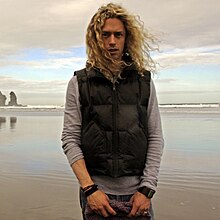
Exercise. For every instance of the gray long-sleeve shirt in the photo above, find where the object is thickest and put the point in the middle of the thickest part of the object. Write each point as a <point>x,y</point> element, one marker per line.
<point>71,137</point>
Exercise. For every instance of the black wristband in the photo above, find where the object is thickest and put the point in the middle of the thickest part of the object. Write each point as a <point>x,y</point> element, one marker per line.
<point>91,190</point>
<point>147,191</point>
<point>87,187</point>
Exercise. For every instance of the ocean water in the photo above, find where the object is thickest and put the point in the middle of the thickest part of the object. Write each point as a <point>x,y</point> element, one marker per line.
<point>36,181</point>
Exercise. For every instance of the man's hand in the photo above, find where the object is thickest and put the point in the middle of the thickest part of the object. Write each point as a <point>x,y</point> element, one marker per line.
<point>140,204</point>
<point>99,203</point>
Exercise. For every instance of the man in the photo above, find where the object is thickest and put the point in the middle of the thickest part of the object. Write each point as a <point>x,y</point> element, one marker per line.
<point>112,133</point>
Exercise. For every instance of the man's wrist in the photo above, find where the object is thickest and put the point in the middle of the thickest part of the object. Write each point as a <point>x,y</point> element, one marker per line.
<point>148,192</point>
<point>89,190</point>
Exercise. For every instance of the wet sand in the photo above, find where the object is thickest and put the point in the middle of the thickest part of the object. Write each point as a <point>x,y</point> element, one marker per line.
<point>185,204</point>
<point>36,198</point>
<point>46,201</point>
<point>36,182</point>
<point>53,195</point>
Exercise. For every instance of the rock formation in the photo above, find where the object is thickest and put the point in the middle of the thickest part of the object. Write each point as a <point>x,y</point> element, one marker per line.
<point>2,99</point>
<point>13,99</point>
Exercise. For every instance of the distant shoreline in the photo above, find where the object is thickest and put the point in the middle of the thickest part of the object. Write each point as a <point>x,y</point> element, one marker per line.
<point>183,108</point>
<point>194,105</point>
<point>168,105</point>
<point>26,107</point>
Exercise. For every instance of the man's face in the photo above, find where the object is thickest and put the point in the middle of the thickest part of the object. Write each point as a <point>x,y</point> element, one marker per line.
<point>113,36</point>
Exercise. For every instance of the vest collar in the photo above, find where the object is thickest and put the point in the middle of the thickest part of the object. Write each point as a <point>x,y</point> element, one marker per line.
<point>94,72</point>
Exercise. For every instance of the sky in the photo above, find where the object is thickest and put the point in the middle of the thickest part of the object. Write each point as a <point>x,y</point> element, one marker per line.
<point>42,43</point>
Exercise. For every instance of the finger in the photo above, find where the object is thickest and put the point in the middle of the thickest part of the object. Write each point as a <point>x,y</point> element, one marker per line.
<point>133,212</point>
<point>104,213</point>
<point>137,211</point>
<point>110,210</point>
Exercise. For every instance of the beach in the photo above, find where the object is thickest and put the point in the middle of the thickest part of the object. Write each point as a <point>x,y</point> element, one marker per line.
<point>37,182</point>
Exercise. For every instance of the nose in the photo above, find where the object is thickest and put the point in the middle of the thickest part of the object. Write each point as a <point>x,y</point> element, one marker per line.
<point>112,40</point>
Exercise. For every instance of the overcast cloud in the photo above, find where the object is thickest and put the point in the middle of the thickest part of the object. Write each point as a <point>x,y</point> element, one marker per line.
<point>189,32</point>
<point>58,24</point>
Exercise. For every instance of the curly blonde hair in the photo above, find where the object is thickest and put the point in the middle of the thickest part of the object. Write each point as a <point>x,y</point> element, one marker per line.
<point>138,43</point>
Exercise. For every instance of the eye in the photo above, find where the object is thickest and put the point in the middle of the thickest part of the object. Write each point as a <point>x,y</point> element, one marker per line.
<point>105,34</point>
<point>118,34</point>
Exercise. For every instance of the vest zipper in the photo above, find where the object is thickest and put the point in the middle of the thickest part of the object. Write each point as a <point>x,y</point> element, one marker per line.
<point>115,133</point>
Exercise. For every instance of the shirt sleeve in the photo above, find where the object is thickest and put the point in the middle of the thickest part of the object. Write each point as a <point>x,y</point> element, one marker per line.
<point>71,135</point>
<point>155,142</point>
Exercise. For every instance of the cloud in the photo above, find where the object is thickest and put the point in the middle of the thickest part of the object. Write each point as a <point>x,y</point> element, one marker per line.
<point>185,23</point>
<point>57,63</point>
<point>188,31</point>
<point>61,24</point>
<point>8,84</point>
<point>178,57</point>
<point>183,97</point>
<point>57,24</point>
<point>166,80</point>
<point>33,92</point>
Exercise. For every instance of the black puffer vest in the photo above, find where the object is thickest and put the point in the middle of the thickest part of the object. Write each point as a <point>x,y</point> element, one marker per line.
<point>114,122</point>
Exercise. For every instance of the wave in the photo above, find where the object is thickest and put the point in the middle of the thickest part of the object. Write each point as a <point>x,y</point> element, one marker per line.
<point>191,105</point>
<point>203,108</point>
<point>167,108</point>
<point>170,105</point>
<point>33,107</point>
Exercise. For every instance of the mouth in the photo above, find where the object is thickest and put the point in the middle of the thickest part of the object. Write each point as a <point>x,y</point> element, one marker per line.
<point>112,50</point>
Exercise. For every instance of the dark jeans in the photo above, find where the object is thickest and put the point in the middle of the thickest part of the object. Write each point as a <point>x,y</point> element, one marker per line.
<point>120,198</point>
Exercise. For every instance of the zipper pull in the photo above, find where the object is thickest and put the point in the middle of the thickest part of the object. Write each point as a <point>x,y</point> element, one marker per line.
<point>113,87</point>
